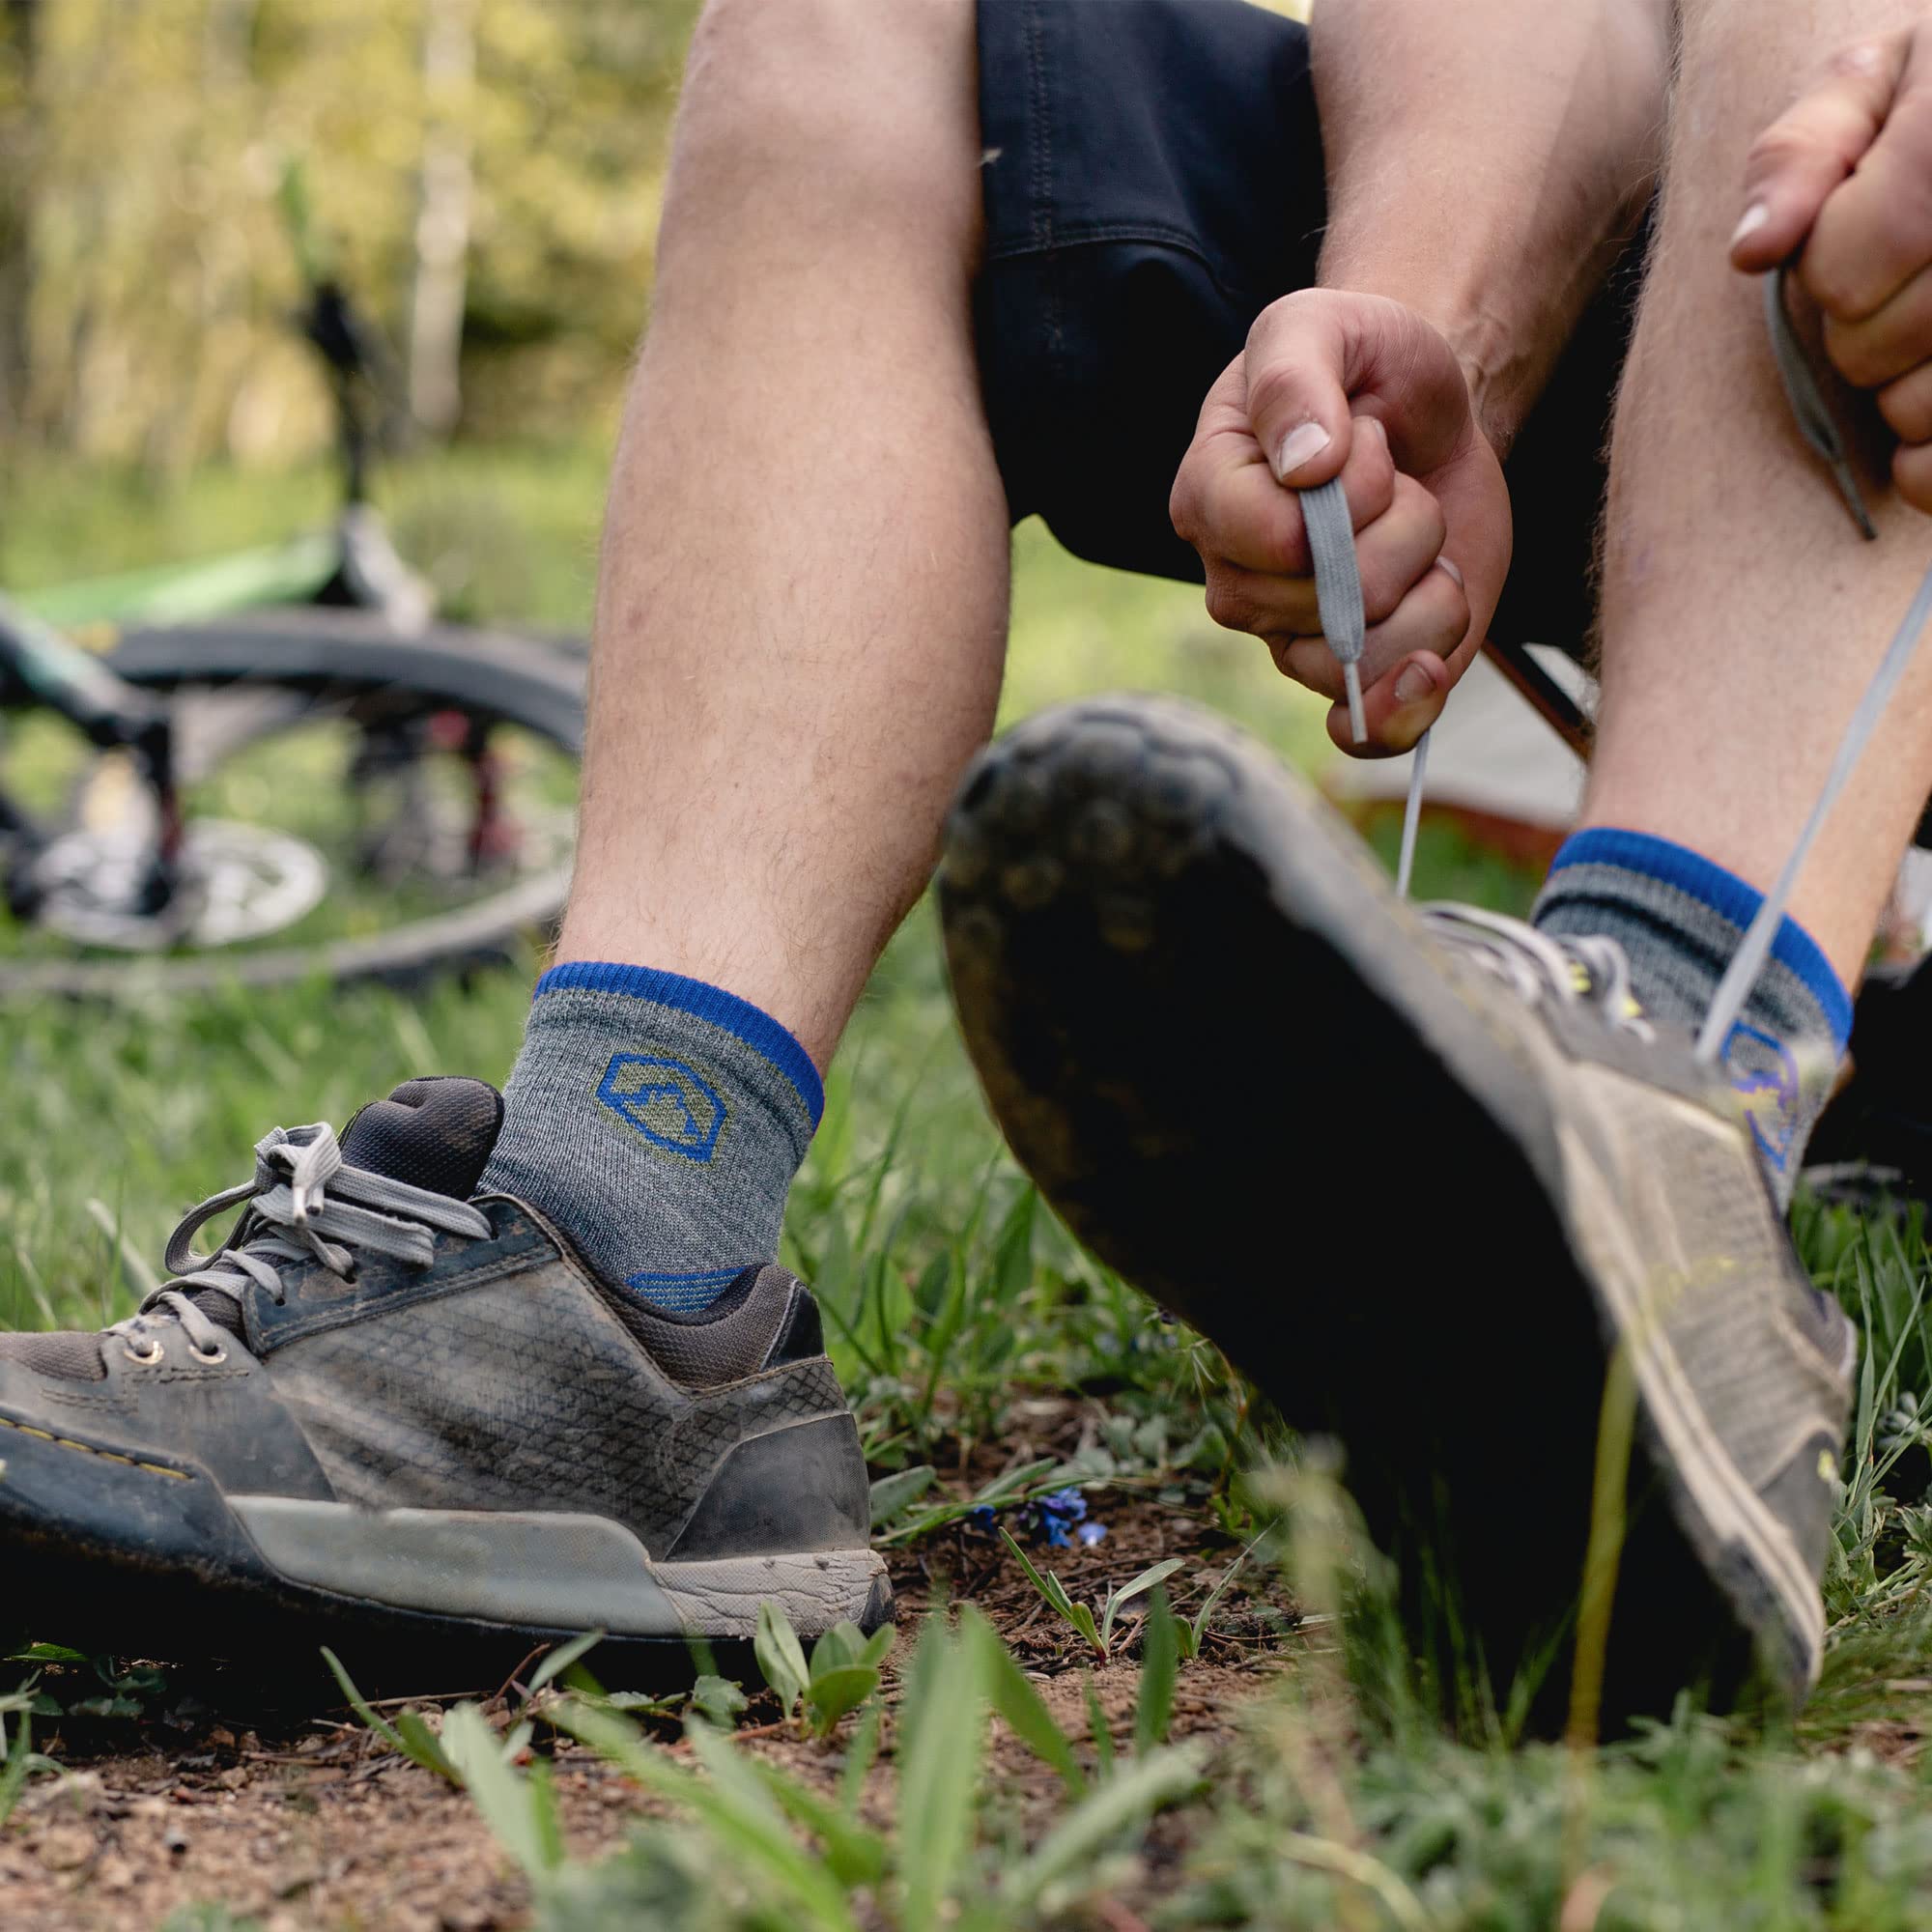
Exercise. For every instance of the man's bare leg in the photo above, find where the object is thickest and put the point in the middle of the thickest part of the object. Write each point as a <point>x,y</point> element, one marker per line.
<point>800,629</point>
<point>802,607</point>
<point>1743,614</point>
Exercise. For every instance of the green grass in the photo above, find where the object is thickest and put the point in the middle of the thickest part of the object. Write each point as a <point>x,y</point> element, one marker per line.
<point>952,1298</point>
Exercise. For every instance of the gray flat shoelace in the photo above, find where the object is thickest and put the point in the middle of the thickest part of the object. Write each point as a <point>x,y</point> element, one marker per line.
<point>1338,588</point>
<point>1590,971</point>
<point>323,1208</point>
<point>1338,593</point>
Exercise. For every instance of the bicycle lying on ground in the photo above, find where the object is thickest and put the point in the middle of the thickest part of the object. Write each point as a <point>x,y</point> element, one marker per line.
<point>272,798</point>
<point>331,786</point>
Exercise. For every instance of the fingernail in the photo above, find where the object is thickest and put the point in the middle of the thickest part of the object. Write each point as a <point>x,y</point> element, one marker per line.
<point>1413,685</point>
<point>1447,564</point>
<point>1304,442</point>
<point>1754,218</point>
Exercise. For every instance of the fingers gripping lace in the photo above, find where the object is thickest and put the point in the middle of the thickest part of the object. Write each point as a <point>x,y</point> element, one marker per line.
<point>1591,969</point>
<point>305,1202</point>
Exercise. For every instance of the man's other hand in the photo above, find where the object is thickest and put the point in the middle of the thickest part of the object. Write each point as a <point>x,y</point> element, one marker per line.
<point>1850,167</point>
<point>1355,386</point>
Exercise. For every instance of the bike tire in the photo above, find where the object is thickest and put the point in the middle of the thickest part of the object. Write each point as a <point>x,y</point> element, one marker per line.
<point>506,678</point>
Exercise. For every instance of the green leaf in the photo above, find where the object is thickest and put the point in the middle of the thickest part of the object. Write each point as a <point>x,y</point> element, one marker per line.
<point>1097,1726</point>
<point>645,1701</point>
<point>563,1657</point>
<point>743,1822</point>
<point>780,1655</point>
<point>855,1855</point>
<point>749,1795</point>
<point>1054,1591</point>
<point>718,1699</point>
<point>837,1691</point>
<point>1012,1248</point>
<point>46,1653</point>
<point>939,1773</point>
<point>1021,1706</point>
<point>420,1745</point>
<point>893,1494</point>
<point>520,1812</point>
<point>837,1649</point>
<point>1140,1789</point>
<point>1155,1572</point>
<point>860,1754</point>
<point>1082,1620</point>
<point>14,1771</point>
<point>1030,1479</point>
<point>1160,1663</point>
<point>1197,1630</point>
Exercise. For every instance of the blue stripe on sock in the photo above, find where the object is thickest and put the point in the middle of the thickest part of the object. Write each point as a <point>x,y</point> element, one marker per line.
<point>1726,895</point>
<point>758,1029</point>
<point>683,1294</point>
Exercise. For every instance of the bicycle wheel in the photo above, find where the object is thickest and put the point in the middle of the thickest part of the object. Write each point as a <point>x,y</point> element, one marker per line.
<point>358,805</point>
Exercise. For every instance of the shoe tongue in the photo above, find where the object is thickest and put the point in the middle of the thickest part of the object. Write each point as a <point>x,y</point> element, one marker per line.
<point>434,1135</point>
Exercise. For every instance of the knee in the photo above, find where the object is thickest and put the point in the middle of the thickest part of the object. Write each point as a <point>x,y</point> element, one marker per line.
<point>870,101</point>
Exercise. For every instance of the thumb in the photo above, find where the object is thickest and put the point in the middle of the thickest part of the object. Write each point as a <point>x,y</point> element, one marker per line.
<point>1806,152</point>
<point>1296,362</point>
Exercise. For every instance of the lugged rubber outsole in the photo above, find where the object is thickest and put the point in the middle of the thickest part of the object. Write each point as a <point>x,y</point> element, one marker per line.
<point>1201,1045</point>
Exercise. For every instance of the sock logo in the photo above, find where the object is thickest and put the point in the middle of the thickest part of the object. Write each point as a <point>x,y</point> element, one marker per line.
<point>672,1106</point>
<point>1765,1077</point>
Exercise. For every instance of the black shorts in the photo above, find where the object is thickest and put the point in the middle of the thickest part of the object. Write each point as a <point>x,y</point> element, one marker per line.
<point>1153,179</point>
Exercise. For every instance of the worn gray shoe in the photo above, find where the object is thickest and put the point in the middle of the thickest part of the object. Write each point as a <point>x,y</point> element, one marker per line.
<point>1426,1175</point>
<point>384,1405</point>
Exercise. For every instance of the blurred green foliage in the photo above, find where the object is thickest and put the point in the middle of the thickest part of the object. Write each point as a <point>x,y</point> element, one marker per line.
<point>514,148</point>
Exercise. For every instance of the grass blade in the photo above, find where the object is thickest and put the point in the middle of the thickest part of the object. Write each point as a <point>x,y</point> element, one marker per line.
<point>939,1773</point>
<point>513,1807</point>
<point>1160,1664</point>
<point>1021,1706</point>
<point>1140,1789</point>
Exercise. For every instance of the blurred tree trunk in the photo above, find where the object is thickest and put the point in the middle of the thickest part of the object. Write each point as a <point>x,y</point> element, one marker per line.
<point>18,22</point>
<point>443,220</point>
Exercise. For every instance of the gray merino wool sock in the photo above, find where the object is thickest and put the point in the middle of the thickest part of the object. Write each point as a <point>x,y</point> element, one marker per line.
<point>1679,918</point>
<point>657,1122</point>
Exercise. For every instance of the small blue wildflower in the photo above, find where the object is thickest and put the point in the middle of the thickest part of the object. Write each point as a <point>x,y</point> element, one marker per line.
<point>1090,1533</point>
<point>981,1519</point>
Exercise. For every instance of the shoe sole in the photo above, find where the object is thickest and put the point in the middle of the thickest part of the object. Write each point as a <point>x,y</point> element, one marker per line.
<point>150,1557</point>
<point>1186,988</point>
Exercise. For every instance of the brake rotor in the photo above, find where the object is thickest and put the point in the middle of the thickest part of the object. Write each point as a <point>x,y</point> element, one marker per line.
<point>235,883</point>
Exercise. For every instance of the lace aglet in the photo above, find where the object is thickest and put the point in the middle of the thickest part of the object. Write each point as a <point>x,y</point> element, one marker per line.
<point>1352,683</point>
<point>1855,501</point>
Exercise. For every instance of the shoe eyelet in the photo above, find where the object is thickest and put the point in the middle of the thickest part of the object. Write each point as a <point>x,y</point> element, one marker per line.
<point>147,1360</point>
<point>213,1357</point>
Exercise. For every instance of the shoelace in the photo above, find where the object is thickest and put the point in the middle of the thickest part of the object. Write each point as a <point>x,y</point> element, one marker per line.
<point>327,1210</point>
<point>1588,970</point>
<point>1338,592</point>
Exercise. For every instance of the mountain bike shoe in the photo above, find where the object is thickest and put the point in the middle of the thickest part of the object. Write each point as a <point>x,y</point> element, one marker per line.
<point>384,1408</point>
<point>1430,1181</point>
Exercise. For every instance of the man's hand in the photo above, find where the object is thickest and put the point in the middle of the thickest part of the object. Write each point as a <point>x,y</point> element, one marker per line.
<point>1850,166</point>
<point>1339,385</point>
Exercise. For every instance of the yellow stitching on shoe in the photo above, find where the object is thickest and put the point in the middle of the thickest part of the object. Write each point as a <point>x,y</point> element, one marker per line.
<point>88,1449</point>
